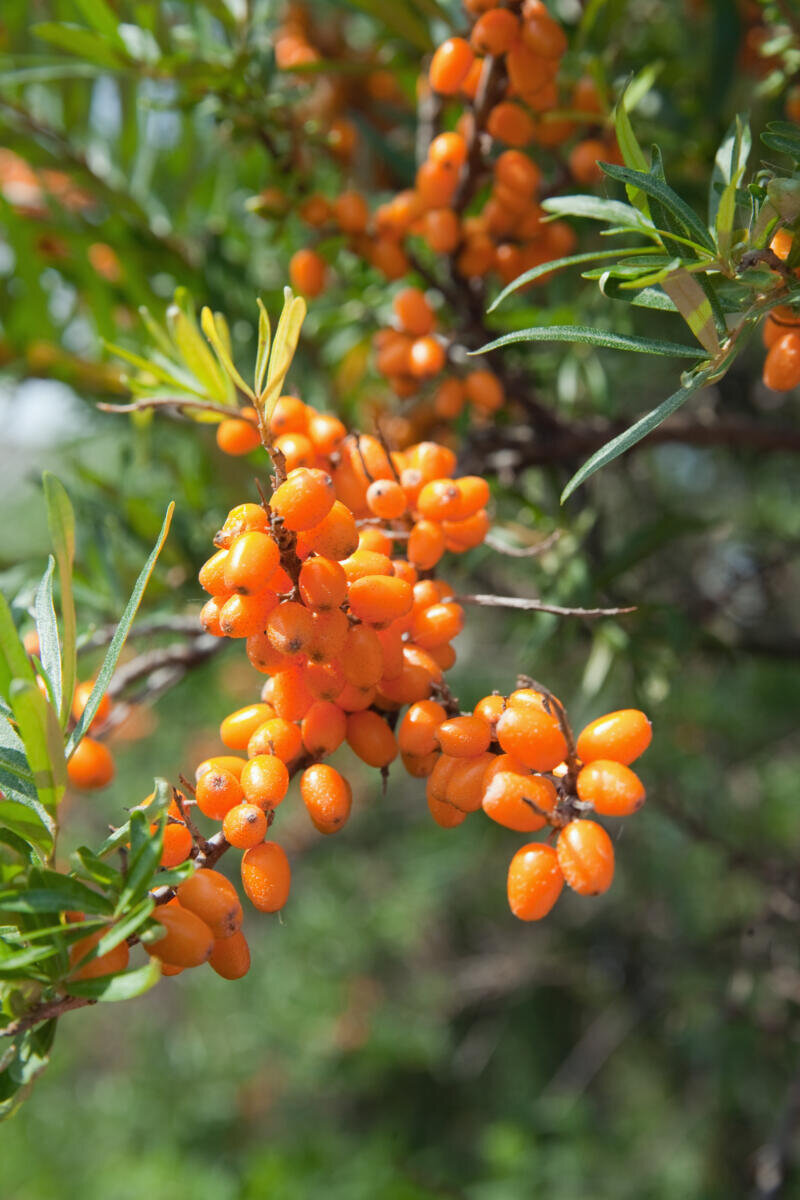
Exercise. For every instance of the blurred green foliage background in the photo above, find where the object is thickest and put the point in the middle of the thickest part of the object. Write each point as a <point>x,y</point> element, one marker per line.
<point>400,1036</point>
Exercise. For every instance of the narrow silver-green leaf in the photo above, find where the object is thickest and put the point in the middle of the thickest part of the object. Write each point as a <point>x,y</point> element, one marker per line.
<point>669,199</point>
<point>47,631</point>
<point>215,329</point>
<point>585,335</point>
<point>123,986</point>
<point>40,731</point>
<point>559,264</point>
<point>14,662</point>
<point>595,208</point>
<point>61,523</point>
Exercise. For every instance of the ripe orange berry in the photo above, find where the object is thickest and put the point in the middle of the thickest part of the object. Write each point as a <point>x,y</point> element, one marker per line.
<point>212,574</point>
<point>445,814</point>
<point>426,357</point>
<point>583,161</point>
<point>239,726</point>
<point>494,32</point>
<point>437,624</point>
<point>81,698</point>
<point>328,637</point>
<point>212,897</point>
<point>449,399</point>
<point>461,536</point>
<point>510,123</point>
<point>782,243</point>
<point>251,562</point>
<point>238,521</point>
<point>188,941</point>
<point>441,229</point>
<point>327,796</point>
<point>484,390</point>
<point>230,957</point>
<point>426,544</point>
<point>304,499</point>
<point>326,432</point>
<point>350,212</point>
<point>264,780</point>
<point>541,32</point>
<point>266,876</point>
<point>518,800</point>
<point>218,790</point>
<point>535,881</point>
<point>278,737</point>
<point>237,437</point>
<point>91,765</point>
<point>307,272</point>
<point>291,695</point>
<point>290,628</point>
<point>386,499</point>
<point>585,96</point>
<point>365,563</point>
<point>447,150</point>
<point>533,736</point>
<point>225,762</point>
<point>335,536</point>
<point>465,784</point>
<point>416,734</point>
<point>177,841</point>
<point>377,540</point>
<point>490,709</point>
<point>242,616</point>
<point>432,460</point>
<point>782,364</point>
<point>463,737</point>
<point>371,738</point>
<point>109,963</point>
<point>586,857</point>
<point>315,210</point>
<point>323,583</point>
<point>518,172</point>
<point>379,599</point>
<point>450,65</point>
<point>362,656</point>
<point>621,736</point>
<point>323,728</point>
<point>413,311</point>
<point>613,789</point>
<point>439,500</point>
<point>244,826</point>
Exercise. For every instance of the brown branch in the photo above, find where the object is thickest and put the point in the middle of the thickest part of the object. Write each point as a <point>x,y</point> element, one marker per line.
<point>188,626</point>
<point>528,605</point>
<point>177,655</point>
<point>169,402</point>
<point>45,1012</point>
<point>547,543</point>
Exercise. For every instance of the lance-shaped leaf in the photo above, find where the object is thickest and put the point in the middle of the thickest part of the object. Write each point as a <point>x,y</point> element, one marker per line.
<point>669,199</point>
<point>729,166</point>
<point>284,345</point>
<point>40,731</point>
<point>14,662</point>
<point>694,305</point>
<point>195,353</point>
<point>585,335</point>
<point>559,264</point>
<point>118,641</point>
<point>47,631</point>
<point>215,328</point>
<point>632,153</point>
<point>61,523</point>
<point>125,985</point>
<point>264,345</point>
<point>50,892</point>
<point>595,208</point>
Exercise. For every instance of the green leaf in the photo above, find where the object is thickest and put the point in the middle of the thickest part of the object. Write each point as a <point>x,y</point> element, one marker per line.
<point>57,893</point>
<point>12,964</point>
<point>585,335</point>
<point>597,209</point>
<point>729,166</point>
<point>120,930</point>
<point>783,138</point>
<point>400,17</point>
<point>694,305</point>
<point>118,641</point>
<point>61,523</point>
<point>284,345</point>
<point>559,264</point>
<point>632,153</point>
<point>101,17</point>
<point>47,629</point>
<point>196,355</point>
<point>97,870</point>
<point>125,985</point>
<point>651,298</point>
<point>145,856</point>
<point>41,733</point>
<point>631,436</point>
<point>150,367</point>
<point>664,194</point>
<point>81,42</point>
<point>639,86</point>
<point>215,328</point>
<point>264,344</point>
<point>14,662</point>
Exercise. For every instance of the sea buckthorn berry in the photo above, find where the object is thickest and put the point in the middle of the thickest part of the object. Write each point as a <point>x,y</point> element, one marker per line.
<point>251,562</point>
<point>447,150</point>
<point>237,437</point>
<point>327,796</point>
<point>230,957</point>
<point>212,574</point>
<point>534,736</point>
<point>326,432</point>
<point>324,680</point>
<point>308,272</point>
<point>263,655</point>
<point>266,876</point>
<point>115,959</point>
<point>426,544</point>
<point>586,857</point>
<point>436,184</point>
<point>440,623</point>
<point>209,617</point>
<point>416,734</point>
<point>782,364</point>
<point>218,790</point>
<point>242,616</point>
<point>350,212</point>
<point>223,762</point>
<point>541,32</point>
<point>613,789</point>
<point>362,656</point>
<point>463,737</point>
<point>187,942</point>
<point>290,627</point>
<point>366,563</point>
<point>518,172</point>
<point>379,599</point>
<point>439,500</point>
<point>238,727</point>
<point>509,123</point>
<point>445,814</point>
<point>484,390</point>
<point>371,738</point>
<point>419,766</point>
<point>212,897</point>
<point>315,210</point>
<point>177,840</point>
<point>535,881</point>
<point>528,72</point>
<point>473,495</point>
<point>239,520</point>
<point>519,801</point>
<point>91,765</point>
<point>494,32</point>
<point>31,643</point>
<point>432,460</point>
<point>305,499</point>
<point>426,357</point>
<point>290,415</point>
<point>782,243</point>
<point>386,499</point>
<point>441,229</point>
<point>336,535</point>
<point>465,535</point>
<point>413,683</point>
<point>585,96</point>
<point>297,451</point>
<point>81,698</point>
<point>584,161</point>
<point>377,540</point>
<point>323,728</point>
<point>413,312</point>
<point>449,399</point>
<point>450,65</point>
<point>621,736</point>
<point>466,783</point>
<point>444,656</point>
<point>264,780</point>
<point>278,737</point>
<point>244,826</point>
<point>291,695</point>
<point>329,636</point>
<point>323,583</point>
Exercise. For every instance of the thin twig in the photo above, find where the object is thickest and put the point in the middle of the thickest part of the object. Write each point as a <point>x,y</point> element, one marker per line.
<point>529,605</point>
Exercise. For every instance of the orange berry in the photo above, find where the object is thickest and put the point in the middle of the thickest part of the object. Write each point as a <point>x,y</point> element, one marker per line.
<point>362,657</point>
<point>81,698</point>
<point>323,728</point>
<point>308,272</point>
<point>31,643</point>
<point>584,161</point>
<point>350,212</point>
<point>328,637</point>
<point>379,599</point>
<point>464,535</point>
<point>517,800</point>
<point>465,785</point>
<point>439,500</point>
<point>109,963</point>
<point>782,364</point>
<point>449,399</point>
<point>336,535</point>
<point>473,495</point>
<point>177,841</point>
<point>426,544</point>
<point>444,813</point>
<point>432,460</point>
<point>426,357</point>
<point>224,762</point>
<point>245,826</point>
<point>782,243</point>
<point>315,210</point>
<point>371,738</point>
<point>416,734</point>
<point>230,957</point>
<point>534,736</point>
<point>386,499</point>
<point>419,765</point>
<point>377,540</point>
<point>621,736</point>
<point>494,32</point>
<point>518,172</point>
<point>239,726</point>
<point>535,881</point>
<point>327,796</point>
<point>187,942</point>
<point>305,499</point>
<point>365,563</point>
<point>613,789</point>
<point>266,876</point>
<point>326,432</point>
<point>237,437</point>
<point>212,897</point>
<point>509,123</point>
<point>437,624</point>
<point>241,616</point>
<point>528,72</point>
<point>218,790</point>
<point>290,415</point>
<point>91,765</point>
<point>291,695</point>
<point>413,311</point>
<point>290,627</point>
<point>251,562</point>
<point>323,583</point>
<point>586,857</point>
<point>441,229</point>
<point>449,66</point>
<point>263,655</point>
<point>586,98</point>
<point>463,737</point>
<point>541,32</point>
<point>448,150</point>
<point>265,781</point>
<point>212,574</point>
<point>484,390</point>
<point>277,736</point>
<point>239,520</point>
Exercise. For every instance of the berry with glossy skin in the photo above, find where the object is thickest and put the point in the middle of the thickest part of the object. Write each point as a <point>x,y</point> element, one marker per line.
<point>212,897</point>
<point>534,736</point>
<point>416,734</point>
<point>81,698</point>
<point>335,536</point>
<point>517,800</point>
<point>426,545</point>
<point>386,499</point>
<point>413,312</point>
<point>218,790</point>
<point>510,123</point>
<point>586,857</point>
<point>230,957</point>
<point>236,436</point>
<point>266,876</point>
<point>304,499</point>
<point>323,583</point>
<point>535,881</point>
<point>239,726</point>
<point>370,737</point>
<point>613,789</point>
<point>450,66</point>
<point>782,364</point>
<point>225,762</point>
<point>187,942</point>
<point>327,796</point>
<point>243,616</point>
<point>308,272</point>
<point>621,736</point>
<point>251,562</point>
<point>463,737</point>
<point>244,826</point>
<point>115,959</point>
<point>91,765</point>
<point>495,32</point>
<point>265,781</point>
<point>426,357</point>
<point>324,728</point>
<point>290,628</point>
<point>278,737</point>
<point>379,599</point>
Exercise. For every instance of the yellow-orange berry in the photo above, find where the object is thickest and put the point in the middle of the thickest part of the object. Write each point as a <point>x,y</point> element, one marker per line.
<point>239,726</point>
<point>251,562</point>
<point>534,736</point>
<point>115,959</point>
<point>463,737</point>
<point>327,796</point>
<point>212,897</point>
<point>586,857</point>
<point>91,765</point>
<point>612,788</point>
<point>230,957</point>
<point>307,272</point>
<point>621,736</point>
<point>370,737</point>
<point>244,826</point>
<point>304,499</point>
<point>187,942</point>
<point>535,881</point>
<point>266,876</point>
<point>450,65</point>
<point>218,790</point>
<point>264,780</point>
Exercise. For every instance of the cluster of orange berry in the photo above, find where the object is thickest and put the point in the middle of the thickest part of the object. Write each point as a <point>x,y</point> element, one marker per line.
<point>781,331</point>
